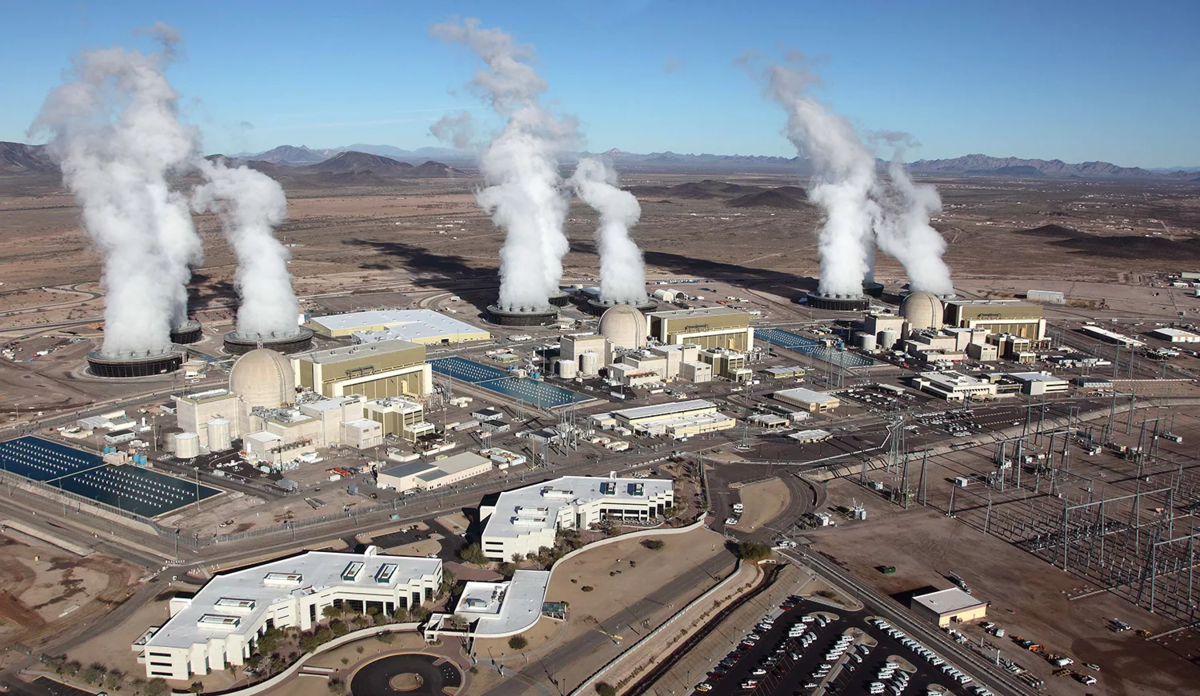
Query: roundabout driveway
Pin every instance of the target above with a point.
(413, 674)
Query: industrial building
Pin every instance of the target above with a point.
(220, 407)
(524, 520)
(1047, 296)
(375, 370)
(698, 372)
(574, 347)
(1040, 383)
(887, 328)
(1112, 337)
(998, 316)
(807, 399)
(399, 417)
(1015, 348)
(946, 606)
(954, 386)
(426, 476)
(423, 326)
(625, 328)
(220, 625)
(679, 419)
(726, 363)
(716, 327)
(1175, 335)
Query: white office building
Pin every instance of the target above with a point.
(221, 623)
(524, 520)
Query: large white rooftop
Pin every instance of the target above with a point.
(245, 594)
(1036, 377)
(804, 395)
(947, 601)
(667, 409)
(334, 355)
(504, 608)
(697, 312)
(537, 506)
(417, 325)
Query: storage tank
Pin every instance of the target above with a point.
(187, 445)
(589, 363)
(219, 438)
(866, 341)
(567, 369)
(886, 339)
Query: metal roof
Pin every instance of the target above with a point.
(948, 601)
(407, 324)
(669, 408)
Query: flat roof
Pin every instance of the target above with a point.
(805, 395)
(950, 378)
(408, 324)
(666, 409)
(1036, 377)
(985, 303)
(948, 601)
(1168, 331)
(461, 462)
(334, 355)
(537, 505)
(307, 573)
(503, 608)
(698, 312)
(409, 469)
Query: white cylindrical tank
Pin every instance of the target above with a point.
(887, 339)
(567, 369)
(589, 363)
(187, 445)
(866, 341)
(219, 438)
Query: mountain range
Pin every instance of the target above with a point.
(366, 162)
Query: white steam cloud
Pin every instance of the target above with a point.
(903, 230)
(116, 132)
(844, 174)
(520, 165)
(250, 204)
(622, 270)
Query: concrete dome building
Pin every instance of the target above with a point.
(263, 378)
(922, 310)
(624, 327)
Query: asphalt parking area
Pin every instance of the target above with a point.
(376, 677)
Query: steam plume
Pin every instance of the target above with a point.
(622, 270)
(843, 178)
(903, 230)
(116, 131)
(520, 164)
(250, 205)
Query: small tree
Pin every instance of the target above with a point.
(419, 613)
(473, 553)
(336, 686)
(653, 544)
(338, 629)
(387, 638)
(400, 615)
(605, 689)
(196, 688)
(448, 580)
(518, 642)
(753, 551)
(156, 687)
(517, 558)
(331, 612)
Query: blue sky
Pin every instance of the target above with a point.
(1097, 80)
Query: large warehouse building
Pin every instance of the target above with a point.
(427, 476)
(808, 399)
(998, 316)
(678, 419)
(375, 370)
(423, 326)
(221, 623)
(524, 520)
(716, 327)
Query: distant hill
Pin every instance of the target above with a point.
(289, 155)
(983, 165)
(355, 162)
(773, 198)
(18, 158)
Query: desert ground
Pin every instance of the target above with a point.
(417, 237)
(44, 589)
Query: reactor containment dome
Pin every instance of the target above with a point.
(263, 378)
(922, 310)
(624, 326)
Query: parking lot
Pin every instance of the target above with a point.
(784, 660)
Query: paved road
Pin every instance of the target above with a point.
(621, 624)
